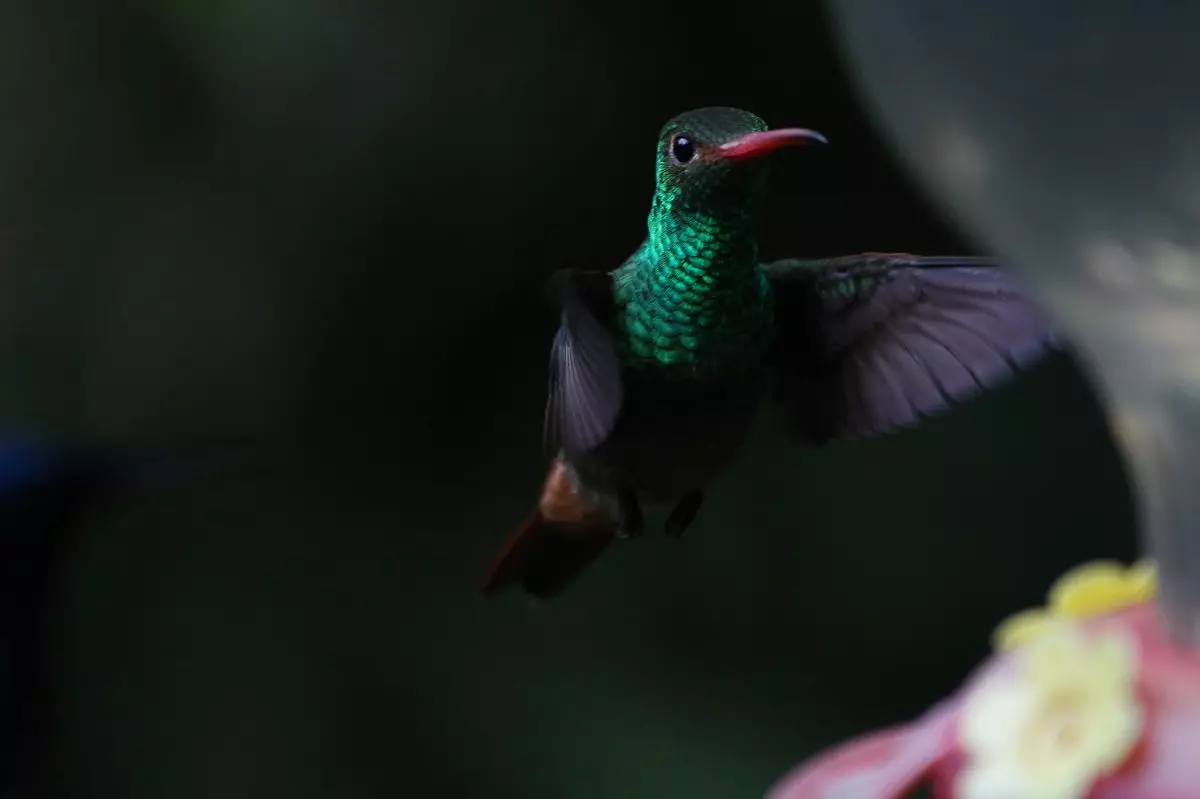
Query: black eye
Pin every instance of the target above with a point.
(682, 149)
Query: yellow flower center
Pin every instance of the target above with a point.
(1087, 591)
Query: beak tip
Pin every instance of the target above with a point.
(804, 134)
(770, 140)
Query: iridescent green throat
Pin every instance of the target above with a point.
(692, 295)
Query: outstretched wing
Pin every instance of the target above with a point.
(871, 343)
(585, 392)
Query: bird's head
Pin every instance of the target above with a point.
(711, 159)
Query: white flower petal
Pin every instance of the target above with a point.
(1123, 723)
(994, 715)
(994, 780)
(1009, 779)
(1116, 658)
(1066, 715)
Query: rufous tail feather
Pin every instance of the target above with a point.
(561, 538)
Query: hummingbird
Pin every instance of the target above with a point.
(660, 366)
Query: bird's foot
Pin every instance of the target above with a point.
(684, 513)
(630, 524)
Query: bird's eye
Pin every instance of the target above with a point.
(682, 149)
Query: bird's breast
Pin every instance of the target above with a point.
(701, 324)
(689, 352)
(674, 436)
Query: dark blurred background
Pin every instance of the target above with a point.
(326, 225)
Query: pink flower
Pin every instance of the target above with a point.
(1122, 702)
(882, 764)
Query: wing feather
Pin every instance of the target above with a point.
(872, 343)
(585, 392)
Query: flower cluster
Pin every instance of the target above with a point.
(1093, 589)
(1085, 698)
(1064, 715)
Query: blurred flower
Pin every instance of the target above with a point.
(1093, 589)
(1098, 704)
(886, 764)
(1065, 716)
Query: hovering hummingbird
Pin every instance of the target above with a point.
(660, 366)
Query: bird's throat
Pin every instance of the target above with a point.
(693, 295)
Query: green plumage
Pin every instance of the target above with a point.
(692, 298)
(659, 367)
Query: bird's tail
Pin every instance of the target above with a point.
(561, 538)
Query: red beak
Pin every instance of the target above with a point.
(756, 144)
